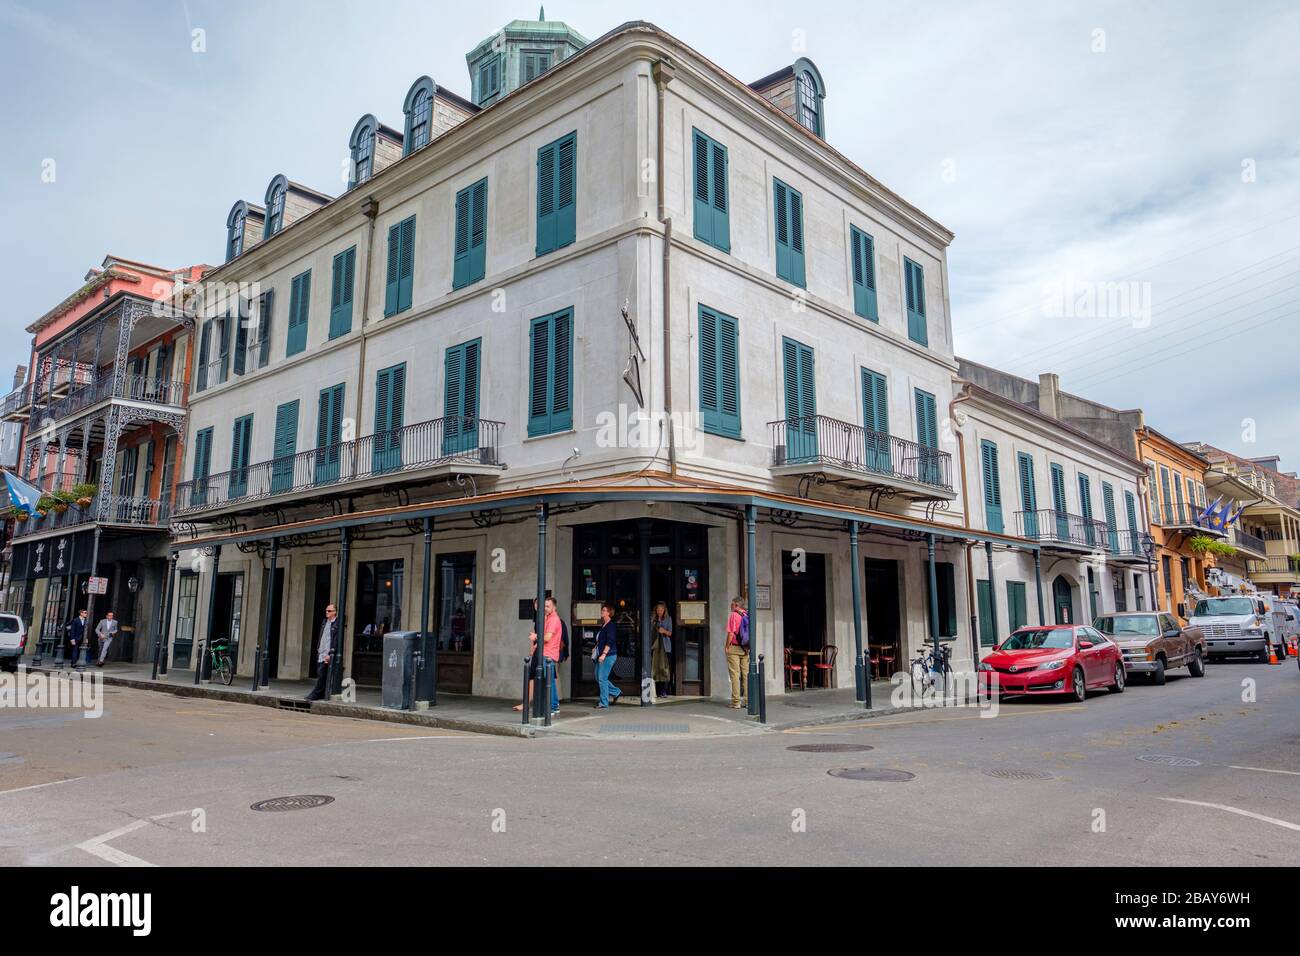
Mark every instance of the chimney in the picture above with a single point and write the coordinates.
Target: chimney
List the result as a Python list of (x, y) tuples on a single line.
[(1049, 394), (20, 376)]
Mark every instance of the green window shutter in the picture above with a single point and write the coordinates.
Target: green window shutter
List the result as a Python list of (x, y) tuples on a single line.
[(471, 235), (550, 400), (992, 486), (1028, 495), (406, 265), (1112, 526), (390, 273), (557, 184), (390, 404), (984, 597), (240, 448), (799, 376), (875, 419), (1017, 611), (202, 466), (789, 233), (1130, 507), (286, 446), (927, 428), (265, 316), (205, 349), (719, 373), (241, 338), (1058, 502), (1085, 508), (460, 399), (712, 218), (341, 285), (862, 248), (914, 281), (947, 579), (224, 352), (329, 426), (299, 308)]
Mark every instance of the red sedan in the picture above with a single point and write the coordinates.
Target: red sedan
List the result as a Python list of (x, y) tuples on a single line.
[(1056, 659)]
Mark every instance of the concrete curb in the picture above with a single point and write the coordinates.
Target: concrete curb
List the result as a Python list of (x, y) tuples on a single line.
[(322, 708)]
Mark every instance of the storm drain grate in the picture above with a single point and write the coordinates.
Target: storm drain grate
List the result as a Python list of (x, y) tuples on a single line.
[(1169, 760), (1003, 774), (294, 703), (872, 773), (829, 748), (302, 801), (646, 729)]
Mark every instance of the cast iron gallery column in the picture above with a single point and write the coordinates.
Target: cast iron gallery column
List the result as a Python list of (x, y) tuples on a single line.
[(261, 662), (861, 675), (644, 609), (751, 591), (203, 666), (341, 603), (164, 620), (541, 702)]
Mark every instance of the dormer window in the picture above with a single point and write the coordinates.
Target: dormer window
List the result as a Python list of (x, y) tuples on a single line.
[(235, 223), (275, 194), (809, 108), (419, 115), (489, 79), (536, 62), (363, 150)]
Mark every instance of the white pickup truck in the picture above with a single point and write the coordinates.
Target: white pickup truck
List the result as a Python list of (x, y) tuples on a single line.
[(13, 638), (1239, 624)]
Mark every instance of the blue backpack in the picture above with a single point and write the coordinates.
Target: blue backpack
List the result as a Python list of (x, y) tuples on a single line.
[(743, 636)]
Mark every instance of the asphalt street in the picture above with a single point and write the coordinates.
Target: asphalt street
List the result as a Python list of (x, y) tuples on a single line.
[(1200, 772)]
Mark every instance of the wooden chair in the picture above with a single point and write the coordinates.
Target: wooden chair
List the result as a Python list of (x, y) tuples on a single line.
[(794, 671), (887, 655), (826, 665)]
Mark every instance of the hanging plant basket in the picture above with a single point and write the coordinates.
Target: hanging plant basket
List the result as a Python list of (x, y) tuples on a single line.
[(84, 493), (60, 507), (84, 501), (20, 516)]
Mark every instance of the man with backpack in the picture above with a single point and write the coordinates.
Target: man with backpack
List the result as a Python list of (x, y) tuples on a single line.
[(738, 650)]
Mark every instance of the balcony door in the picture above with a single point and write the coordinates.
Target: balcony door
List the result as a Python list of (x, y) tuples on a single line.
[(800, 402)]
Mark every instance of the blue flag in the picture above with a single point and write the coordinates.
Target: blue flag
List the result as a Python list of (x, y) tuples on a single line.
[(22, 495), (1210, 515)]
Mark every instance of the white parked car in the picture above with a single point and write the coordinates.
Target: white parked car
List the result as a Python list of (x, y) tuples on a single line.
[(13, 638)]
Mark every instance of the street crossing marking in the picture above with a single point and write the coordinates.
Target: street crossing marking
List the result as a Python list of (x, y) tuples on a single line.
[(98, 846), (1238, 811), (1293, 773), (38, 786)]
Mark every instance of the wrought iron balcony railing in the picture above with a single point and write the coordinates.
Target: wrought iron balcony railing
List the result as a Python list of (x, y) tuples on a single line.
[(140, 512), (442, 441), (1244, 539), (818, 440), (1183, 514), (136, 388), (1127, 543), (1060, 527)]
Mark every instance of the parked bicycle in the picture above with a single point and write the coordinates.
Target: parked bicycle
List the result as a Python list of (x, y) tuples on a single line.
[(219, 658), (928, 670)]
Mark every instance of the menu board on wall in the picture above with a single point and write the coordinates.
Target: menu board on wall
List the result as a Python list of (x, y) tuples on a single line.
[(692, 612)]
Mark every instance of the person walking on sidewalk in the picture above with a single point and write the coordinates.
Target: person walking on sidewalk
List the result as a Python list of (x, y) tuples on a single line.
[(605, 654), (329, 642), (76, 636), (105, 630), (738, 650), (661, 647)]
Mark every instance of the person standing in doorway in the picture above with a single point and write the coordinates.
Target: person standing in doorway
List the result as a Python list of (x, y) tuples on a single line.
[(105, 630), (552, 640), (660, 648), (329, 642), (738, 650), (76, 636), (605, 654)]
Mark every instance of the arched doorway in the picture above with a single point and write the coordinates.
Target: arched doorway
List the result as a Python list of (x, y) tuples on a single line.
[(1063, 600)]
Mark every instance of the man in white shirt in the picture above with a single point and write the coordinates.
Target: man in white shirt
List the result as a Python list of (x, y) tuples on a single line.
[(105, 630), (329, 637)]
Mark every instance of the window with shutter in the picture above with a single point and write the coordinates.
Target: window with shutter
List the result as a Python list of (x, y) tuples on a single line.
[(460, 399), (223, 355), (927, 437), (1028, 494), (712, 223), (241, 441), (341, 284), (550, 407), (286, 447), (557, 185), (1085, 508), (1112, 526), (265, 313), (470, 256), (719, 373), (202, 466), (914, 282), (390, 405), (205, 349), (992, 486), (800, 402), (1017, 610), (862, 248), (329, 429), (875, 419), (299, 308), (1130, 507), (241, 337), (1058, 503), (947, 580), (984, 598), (789, 233), (399, 277), (1166, 497)]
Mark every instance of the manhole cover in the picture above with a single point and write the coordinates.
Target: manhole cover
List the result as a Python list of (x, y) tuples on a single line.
[(829, 748), (1168, 760), (1018, 774), (302, 801), (645, 729), (871, 773)]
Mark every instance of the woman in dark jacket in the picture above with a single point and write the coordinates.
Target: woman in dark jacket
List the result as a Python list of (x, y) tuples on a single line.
[(605, 654)]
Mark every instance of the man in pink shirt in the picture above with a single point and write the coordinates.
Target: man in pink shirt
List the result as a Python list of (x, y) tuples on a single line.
[(550, 649), (737, 653)]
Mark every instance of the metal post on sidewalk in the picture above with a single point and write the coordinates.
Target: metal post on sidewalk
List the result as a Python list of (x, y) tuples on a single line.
[(861, 671), (1038, 583), (934, 594), (644, 611), (167, 615), (528, 678), (341, 603), (751, 591), (762, 690), (203, 669), (428, 641), (261, 666), (541, 703)]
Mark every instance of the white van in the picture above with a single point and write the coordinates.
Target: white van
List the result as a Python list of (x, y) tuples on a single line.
[(13, 638), (1237, 624)]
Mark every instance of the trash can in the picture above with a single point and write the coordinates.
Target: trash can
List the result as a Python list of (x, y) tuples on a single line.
[(399, 661)]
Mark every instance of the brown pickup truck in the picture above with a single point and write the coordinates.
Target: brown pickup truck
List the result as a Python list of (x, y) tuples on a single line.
[(1151, 642)]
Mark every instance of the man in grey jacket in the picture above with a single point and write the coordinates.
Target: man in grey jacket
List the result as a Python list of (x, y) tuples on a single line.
[(325, 650), (105, 630)]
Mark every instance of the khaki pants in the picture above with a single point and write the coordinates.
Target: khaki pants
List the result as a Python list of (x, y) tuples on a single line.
[(737, 670)]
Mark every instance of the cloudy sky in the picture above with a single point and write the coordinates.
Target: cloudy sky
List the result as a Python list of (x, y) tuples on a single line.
[(1123, 178)]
